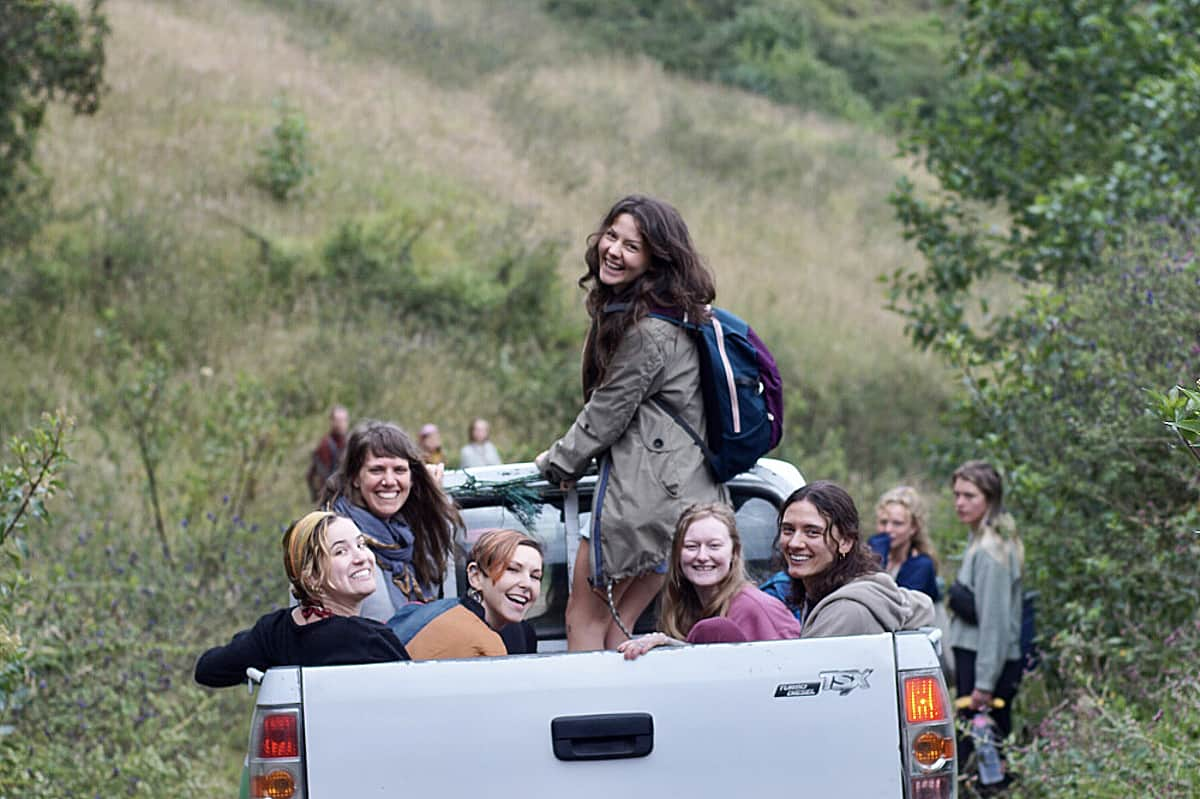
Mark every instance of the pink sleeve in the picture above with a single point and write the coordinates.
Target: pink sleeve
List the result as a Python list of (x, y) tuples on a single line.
[(762, 617)]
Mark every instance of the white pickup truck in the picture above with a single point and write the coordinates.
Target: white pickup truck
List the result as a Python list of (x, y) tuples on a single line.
[(865, 716)]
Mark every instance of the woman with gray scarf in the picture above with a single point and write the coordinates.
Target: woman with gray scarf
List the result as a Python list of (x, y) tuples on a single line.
[(396, 499)]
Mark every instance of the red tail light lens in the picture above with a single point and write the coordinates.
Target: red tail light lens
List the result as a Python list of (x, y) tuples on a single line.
[(923, 699), (933, 787), (280, 736)]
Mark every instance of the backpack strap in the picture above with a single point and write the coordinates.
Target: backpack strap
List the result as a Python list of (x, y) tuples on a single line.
[(617, 307), (687, 428)]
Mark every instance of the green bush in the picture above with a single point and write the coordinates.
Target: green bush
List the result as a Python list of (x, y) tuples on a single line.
[(1097, 513), (285, 158), (26, 484), (1060, 138), (1107, 513)]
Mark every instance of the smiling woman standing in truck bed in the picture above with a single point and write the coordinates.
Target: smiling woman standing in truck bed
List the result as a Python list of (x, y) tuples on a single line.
[(640, 260)]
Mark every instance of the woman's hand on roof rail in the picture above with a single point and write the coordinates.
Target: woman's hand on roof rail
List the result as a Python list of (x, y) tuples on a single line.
[(540, 463)]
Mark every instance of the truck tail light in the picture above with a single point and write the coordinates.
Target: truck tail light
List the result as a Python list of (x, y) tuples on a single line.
[(936, 787), (927, 730), (275, 764), (280, 736), (923, 699)]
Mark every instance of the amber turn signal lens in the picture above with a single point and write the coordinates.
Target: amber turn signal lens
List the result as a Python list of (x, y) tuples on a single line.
[(929, 748), (279, 784), (923, 700)]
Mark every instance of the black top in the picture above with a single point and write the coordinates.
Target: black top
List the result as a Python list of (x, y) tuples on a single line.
[(519, 638), (276, 640)]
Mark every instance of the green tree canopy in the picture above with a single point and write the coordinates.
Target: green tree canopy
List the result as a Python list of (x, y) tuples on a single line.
[(1073, 122), (48, 51)]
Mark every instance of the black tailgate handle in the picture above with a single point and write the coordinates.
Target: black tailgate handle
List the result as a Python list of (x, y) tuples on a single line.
[(606, 736)]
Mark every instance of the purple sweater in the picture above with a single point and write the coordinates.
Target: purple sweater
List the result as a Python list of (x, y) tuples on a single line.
[(762, 617)]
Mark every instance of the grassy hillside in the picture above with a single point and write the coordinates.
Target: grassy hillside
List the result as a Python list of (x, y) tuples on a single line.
[(444, 106), (462, 153)]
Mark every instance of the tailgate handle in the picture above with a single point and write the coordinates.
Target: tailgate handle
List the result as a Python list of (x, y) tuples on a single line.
[(607, 736)]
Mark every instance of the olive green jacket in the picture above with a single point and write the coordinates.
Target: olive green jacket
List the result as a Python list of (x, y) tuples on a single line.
[(655, 470)]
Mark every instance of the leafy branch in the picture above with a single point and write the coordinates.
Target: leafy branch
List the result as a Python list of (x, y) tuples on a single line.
[(34, 479), (1179, 410)]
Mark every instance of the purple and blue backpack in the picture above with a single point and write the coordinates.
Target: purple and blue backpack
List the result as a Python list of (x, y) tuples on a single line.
[(743, 393)]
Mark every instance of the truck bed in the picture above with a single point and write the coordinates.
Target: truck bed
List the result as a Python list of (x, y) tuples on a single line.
[(765, 718)]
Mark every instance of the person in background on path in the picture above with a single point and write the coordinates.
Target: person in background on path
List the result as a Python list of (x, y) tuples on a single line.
[(709, 599), (397, 500), (903, 545), (430, 440), (504, 571), (479, 450), (332, 570), (640, 259), (328, 452), (836, 579), (985, 600)]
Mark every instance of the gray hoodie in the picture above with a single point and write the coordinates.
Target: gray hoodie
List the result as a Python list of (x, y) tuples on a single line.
[(871, 604)]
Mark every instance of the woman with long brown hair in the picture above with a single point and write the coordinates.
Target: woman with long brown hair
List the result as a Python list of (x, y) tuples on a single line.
[(396, 499), (709, 598), (641, 264)]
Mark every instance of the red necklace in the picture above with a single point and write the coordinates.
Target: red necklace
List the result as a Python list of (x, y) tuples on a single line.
[(308, 611)]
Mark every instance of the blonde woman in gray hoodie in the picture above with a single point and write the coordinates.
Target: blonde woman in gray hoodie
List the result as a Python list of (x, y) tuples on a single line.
[(985, 628), (836, 579)]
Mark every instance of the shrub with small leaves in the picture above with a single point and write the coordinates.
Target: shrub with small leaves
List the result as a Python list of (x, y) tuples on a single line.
[(284, 160)]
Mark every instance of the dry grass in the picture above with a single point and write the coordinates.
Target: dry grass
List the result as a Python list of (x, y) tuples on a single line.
[(789, 207)]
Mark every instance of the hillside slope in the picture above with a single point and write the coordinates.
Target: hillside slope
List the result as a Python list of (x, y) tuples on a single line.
[(490, 114)]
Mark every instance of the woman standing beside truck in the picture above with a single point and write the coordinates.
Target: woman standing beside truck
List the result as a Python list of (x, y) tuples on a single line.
[(331, 570), (385, 486), (985, 600), (640, 260)]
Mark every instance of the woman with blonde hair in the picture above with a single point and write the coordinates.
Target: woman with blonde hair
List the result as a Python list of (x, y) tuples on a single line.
[(708, 597), (903, 544), (985, 628), (332, 570)]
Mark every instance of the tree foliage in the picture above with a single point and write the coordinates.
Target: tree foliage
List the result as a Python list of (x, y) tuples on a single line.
[(1071, 124), (48, 51), (30, 478), (851, 59)]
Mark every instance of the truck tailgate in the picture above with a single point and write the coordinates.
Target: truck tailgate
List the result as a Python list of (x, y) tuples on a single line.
[(767, 718)]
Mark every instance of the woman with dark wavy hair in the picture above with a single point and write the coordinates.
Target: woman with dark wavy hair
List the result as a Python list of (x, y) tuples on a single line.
[(396, 499), (640, 261), (836, 579)]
